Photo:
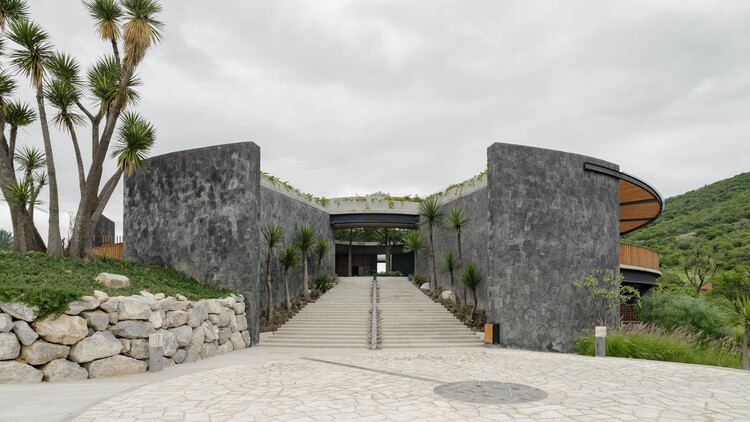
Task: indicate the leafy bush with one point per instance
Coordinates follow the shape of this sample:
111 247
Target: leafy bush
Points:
6 239
647 341
389 274
698 315
732 284
323 282
418 279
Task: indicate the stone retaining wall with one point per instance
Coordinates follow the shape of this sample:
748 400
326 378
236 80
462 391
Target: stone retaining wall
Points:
102 336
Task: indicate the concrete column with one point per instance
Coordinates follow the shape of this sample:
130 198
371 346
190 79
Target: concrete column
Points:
601 342
155 352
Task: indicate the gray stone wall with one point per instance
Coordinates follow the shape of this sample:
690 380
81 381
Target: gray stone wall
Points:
104 230
550 222
290 214
198 211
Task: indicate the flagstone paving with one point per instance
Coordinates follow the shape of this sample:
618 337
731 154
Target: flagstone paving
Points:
401 385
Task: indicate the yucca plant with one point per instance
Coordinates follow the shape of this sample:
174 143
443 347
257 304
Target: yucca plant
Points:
472 277
12 10
449 264
321 250
413 242
30 160
6 239
305 240
456 221
135 140
30 59
432 215
21 193
272 236
141 29
107 15
289 256
17 115
103 81
742 316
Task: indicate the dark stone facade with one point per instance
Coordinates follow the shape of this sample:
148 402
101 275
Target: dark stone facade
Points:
290 214
104 232
198 211
550 222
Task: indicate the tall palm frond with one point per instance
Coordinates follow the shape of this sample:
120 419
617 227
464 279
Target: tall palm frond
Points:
64 66
103 80
457 219
12 10
7 86
136 137
19 114
448 262
63 96
431 212
305 238
273 236
106 15
141 29
321 251
413 241
472 277
31 59
30 159
289 256
21 193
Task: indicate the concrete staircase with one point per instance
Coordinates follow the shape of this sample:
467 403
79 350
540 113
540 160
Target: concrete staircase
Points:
407 318
341 318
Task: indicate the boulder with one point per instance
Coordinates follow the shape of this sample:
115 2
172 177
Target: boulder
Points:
225 316
447 295
113 280
184 335
224 335
101 296
209 350
237 341
229 302
16 372
197 314
139 348
208 331
148 300
198 337
96 320
9 346
214 318
172 305
114 366
130 308
6 323
41 352
179 356
246 337
125 345
65 329
175 319
19 310
159 296
157 319
213 306
181 298
170 342
87 303
226 348
112 304
114 318
425 287
241 323
193 353
63 370
132 329
102 344
24 332
146 293
239 308
233 321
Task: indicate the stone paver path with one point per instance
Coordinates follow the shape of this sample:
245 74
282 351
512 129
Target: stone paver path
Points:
399 386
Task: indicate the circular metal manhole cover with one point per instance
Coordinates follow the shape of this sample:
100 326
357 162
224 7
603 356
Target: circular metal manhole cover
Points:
489 392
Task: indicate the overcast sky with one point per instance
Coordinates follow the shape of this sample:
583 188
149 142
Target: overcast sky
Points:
353 97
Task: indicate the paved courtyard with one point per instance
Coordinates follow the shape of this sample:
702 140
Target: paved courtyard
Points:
404 386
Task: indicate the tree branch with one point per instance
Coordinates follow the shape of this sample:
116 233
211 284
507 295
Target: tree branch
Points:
79 160
106 193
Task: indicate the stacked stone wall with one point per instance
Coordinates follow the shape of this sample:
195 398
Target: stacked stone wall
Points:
102 336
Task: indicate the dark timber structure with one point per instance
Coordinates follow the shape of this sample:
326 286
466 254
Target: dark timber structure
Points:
539 219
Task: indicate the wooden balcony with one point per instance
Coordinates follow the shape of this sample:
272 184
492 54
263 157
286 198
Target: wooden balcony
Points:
638 256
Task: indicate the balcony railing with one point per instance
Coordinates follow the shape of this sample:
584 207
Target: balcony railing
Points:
638 256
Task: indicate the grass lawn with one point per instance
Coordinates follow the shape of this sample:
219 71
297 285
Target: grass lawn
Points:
50 283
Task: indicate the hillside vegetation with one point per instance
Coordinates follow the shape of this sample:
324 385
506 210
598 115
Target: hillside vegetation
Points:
715 218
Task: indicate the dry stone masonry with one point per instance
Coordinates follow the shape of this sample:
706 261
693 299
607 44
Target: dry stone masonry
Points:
102 336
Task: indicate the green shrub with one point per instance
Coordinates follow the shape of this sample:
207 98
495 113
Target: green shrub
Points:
323 282
418 279
389 274
647 341
674 310
731 284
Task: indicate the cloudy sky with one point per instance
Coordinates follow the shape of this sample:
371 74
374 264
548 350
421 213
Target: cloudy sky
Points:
353 97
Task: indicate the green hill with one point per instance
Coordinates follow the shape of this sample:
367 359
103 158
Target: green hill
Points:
715 218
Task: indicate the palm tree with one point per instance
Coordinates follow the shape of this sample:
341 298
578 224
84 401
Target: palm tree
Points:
107 15
349 235
12 10
742 316
22 194
305 240
471 277
432 215
141 30
30 60
449 264
17 114
457 219
413 242
289 256
29 160
273 236
321 251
